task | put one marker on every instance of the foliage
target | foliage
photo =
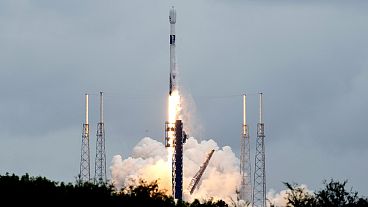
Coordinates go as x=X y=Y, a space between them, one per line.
x=39 y=191
x=334 y=194
x=299 y=196
x=144 y=194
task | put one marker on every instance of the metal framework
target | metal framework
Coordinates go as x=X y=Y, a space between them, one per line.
x=259 y=190
x=169 y=134
x=245 y=191
x=84 y=168
x=197 y=177
x=177 y=161
x=100 y=162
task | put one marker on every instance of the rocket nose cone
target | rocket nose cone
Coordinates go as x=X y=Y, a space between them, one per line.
x=172 y=16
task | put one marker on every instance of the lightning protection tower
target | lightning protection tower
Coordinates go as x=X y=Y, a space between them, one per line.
x=100 y=162
x=84 y=173
x=245 y=191
x=259 y=190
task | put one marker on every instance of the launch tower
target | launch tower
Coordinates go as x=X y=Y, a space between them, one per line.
x=177 y=161
x=245 y=165
x=84 y=173
x=100 y=162
x=259 y=190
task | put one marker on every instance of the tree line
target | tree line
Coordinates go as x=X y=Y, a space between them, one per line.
x=40 y=191
x=334 y=194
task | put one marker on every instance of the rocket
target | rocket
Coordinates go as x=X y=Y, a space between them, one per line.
x=172 y=20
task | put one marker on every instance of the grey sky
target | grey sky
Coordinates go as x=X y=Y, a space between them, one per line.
x=310 y=59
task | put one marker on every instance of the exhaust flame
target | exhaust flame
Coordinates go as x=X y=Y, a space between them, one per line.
x=174 y=106
x=174 y=111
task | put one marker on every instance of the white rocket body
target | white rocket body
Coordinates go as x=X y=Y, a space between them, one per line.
x=172 y=20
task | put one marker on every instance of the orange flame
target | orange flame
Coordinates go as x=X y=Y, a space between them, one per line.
x=173 y=112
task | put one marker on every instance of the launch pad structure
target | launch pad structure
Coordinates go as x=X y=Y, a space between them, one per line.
x=179 y=139
x=259 y=189
x=100 y=160
x=100 y=177
x=84 y=168
x=197 y=177
x=177 y=162
x=245 y=191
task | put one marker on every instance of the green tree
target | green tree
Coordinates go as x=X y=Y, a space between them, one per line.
x=298 y=196
x=145 y=194
x=39 y=191
x=334 y=194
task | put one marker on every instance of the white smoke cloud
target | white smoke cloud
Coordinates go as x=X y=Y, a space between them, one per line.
x=280 y=199
x=149 y=162
x=189 y=115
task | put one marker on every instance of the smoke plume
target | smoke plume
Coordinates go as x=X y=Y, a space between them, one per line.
x=148 y=161
x=280 y=199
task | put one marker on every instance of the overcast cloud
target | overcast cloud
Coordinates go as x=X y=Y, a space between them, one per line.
x=310 y=59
